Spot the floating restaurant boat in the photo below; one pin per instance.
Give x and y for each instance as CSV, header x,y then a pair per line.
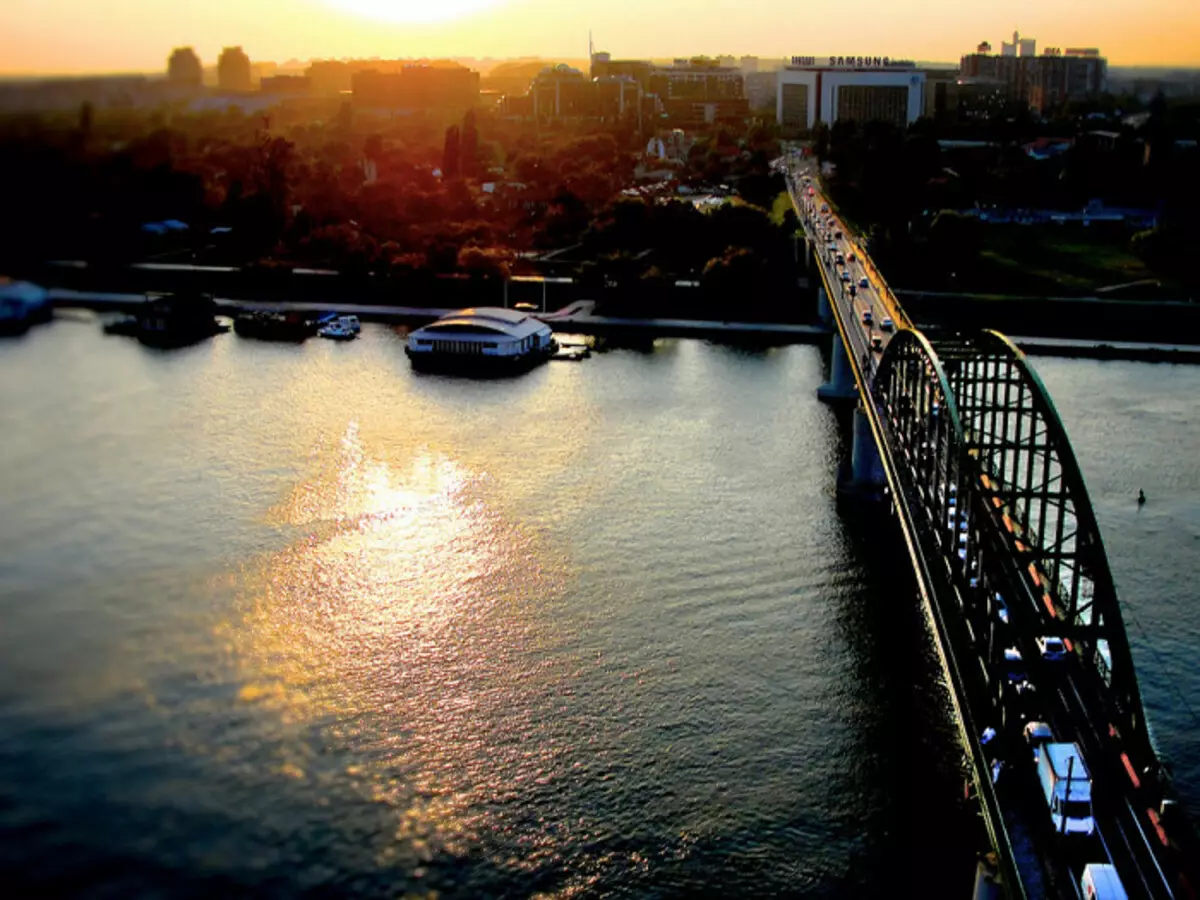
x,y
484,339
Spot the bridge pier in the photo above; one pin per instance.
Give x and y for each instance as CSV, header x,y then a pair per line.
x,y
841,384
867,478
824,310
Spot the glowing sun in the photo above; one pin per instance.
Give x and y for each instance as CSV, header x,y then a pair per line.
x,y
411,10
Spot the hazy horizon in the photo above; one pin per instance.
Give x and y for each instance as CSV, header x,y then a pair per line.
x,y
83,37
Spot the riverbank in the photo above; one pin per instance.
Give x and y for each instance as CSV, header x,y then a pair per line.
x,y
1094,319
580,318
576,318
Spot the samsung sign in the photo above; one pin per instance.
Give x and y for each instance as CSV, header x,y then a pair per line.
x,y
852,62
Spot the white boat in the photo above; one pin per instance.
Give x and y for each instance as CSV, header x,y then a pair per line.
x,y
343,328
481,339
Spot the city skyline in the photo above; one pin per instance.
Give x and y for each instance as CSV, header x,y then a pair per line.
x,y
86,37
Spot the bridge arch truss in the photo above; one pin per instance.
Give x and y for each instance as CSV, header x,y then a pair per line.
x,y
1005,500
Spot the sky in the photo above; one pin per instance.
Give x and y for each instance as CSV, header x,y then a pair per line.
x,y
75,36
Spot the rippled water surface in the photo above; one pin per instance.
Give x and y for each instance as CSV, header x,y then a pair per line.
x,y
291,621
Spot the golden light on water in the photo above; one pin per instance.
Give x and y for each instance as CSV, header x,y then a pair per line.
x,y
402,622
411,10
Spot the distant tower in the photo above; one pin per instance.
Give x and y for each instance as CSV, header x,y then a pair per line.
x,y
184,69
233,70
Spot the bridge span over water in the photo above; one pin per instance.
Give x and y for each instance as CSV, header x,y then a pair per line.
x,y
959,436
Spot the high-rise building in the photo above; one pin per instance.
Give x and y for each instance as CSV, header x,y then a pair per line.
x,y
233,70
1075,75
858,88
941,92
329,77
761,90
415,87
698,78
618,99
184,68
285,84
561,92
1044,82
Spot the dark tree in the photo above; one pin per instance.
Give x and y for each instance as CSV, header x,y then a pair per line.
x,y
450,153
469,146
820,136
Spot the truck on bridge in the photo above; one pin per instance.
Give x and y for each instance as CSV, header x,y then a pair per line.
x,y
1067,787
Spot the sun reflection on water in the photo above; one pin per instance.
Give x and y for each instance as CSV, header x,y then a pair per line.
x,y
402,625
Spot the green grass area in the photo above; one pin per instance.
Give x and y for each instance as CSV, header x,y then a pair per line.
x,y
1053,260
781,207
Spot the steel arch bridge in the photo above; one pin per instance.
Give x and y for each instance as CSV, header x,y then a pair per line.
x,y
1006,551
1003,496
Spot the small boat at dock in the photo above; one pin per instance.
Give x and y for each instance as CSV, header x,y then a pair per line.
x,y
22,304
268,325
171,320
339,328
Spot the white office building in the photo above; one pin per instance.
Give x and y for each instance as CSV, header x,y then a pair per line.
x,y
863,88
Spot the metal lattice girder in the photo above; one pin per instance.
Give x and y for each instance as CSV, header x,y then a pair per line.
x,y
1004,494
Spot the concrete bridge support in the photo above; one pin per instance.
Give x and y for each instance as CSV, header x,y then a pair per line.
x,y
824,310
866,468
841,384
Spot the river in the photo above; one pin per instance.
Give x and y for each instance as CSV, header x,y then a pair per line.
x,y
294,621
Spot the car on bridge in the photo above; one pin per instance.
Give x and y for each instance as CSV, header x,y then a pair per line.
x,y
845,275
887,324
851,257
1101,882
1052,649
1013,665
867,318
864,283
1001,608
877,344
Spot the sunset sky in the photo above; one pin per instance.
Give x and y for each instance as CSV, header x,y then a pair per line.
x,y
67,36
